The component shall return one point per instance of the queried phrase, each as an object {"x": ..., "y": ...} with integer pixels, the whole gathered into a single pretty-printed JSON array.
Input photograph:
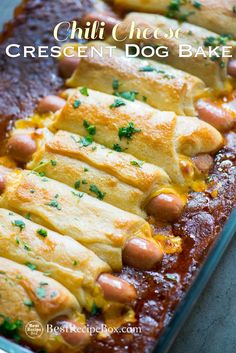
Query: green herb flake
[
  {"x": 86, "y": 141},
  {"x": 27, "y": 247},
  {"x": 78, "y": 194},
  {"x": 77, "y": 184},
  {"x": 129, "y": 95},
  {"x": 31, "y": 266},
  {"x": 173, "y": 277},
  {"x": 41, "y": 293},
  {"x": 116, "y": 147},
  {"x": 32, "y": 191},
  {"x": 28, "y": 216},
  {"x": 75, "y": 263},
  {"x": 86, "y": 170},
  {"x": 84, "y": 91},
  {"x": 197, "y": 4},
  {"x": 95, "y": 310},
  {"x": 53, "y": 294},
  {"x": 100, "y": 195},
  {"x": 42, "y": 232},
  {"x": 115, "y": 84},
  {"x": 19, "y": 223},
  {"x": 53, "y": 162},
  {"x": 10, "y": 328},
  {"x": 128, "y": 131},
  {"x": 147, "y": 68},
  {"x": 29, "y": 303},
  {"x": 42, "y": 174},
  {"x": 137, "y": 163},
  {"x": 76, "y": 104},
  {"x": 54, "y": 203},
  {"x": 91, "y": 129},
  {"x": 84, "y": 182},
  {"x": 144, "y": 98},
  {"x": 117, "y": 103}
]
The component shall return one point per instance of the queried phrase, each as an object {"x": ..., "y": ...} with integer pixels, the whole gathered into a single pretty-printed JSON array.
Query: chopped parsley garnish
[
  {"x": 174, "y": 10},
  {"x": 28, "y": 216},
  {"x": 144, "y": 98},
  {"x": 84, "y": 181},
  {"x": 75, "y": 263},
  {"x": 41, "y": 293},
  {"x": 90, "y": 128},
  {"x": 32, "y": 191},
  {"x": 19, "y": 223},
  {"x": 95, "y": 310},
  {"x": 137, "y": 163},
  {"x": 115, "y": 84},
  {"x": 147, "y": 68},
  {"x": 53, "y": 163},
  {"x": 84, "y": 91},
  {"x": 127, "y": 131},
  {"x": 197, "y": 4},
  {"x": 78, "y": 194},
  {"x": 117, "y": 147},
  {"x": 76, "y": 104},
  {"x": 28, "y": 303},
  {"x": 129, "y": 95},
  {"x": 213, "y": 41},
  {"x": 10, "y": 328},
  {"x": 86, "y": 141},
  {"x": 31, "y": 266},
  {"x": 100, "y": 195},
  {"x": 27, "y": 247},
  {"x": 172, "y": 276},
  {"x": 42, "y": 174},
  {"x": 86, "y": 170},
  {"x": 54, "y": 203},
  {"x": 42, "y": 232},
  {"x": 77, "y": 184},
  {"x": 117, "y": 103}
]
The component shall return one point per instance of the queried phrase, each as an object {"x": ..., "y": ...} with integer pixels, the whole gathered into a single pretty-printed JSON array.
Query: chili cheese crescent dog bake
[
  {"x": 160, "y": 85},
  {"x": 148, "y": 134},
  {"x": 29, "y": 296},
  {"x": 211, "y": 69},
  {"x": 217, "y": 16}
]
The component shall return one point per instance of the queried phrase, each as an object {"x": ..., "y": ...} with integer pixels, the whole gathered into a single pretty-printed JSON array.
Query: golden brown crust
[
  {"x": 66, "y": 261},
  {"x": 212, "y": 72},
  {"x": 217, "y": 16},
  {"x": 161, "y": 135},
  {"x": 69, "y": 212},
  {"x": 28, "y": 295},
  {"x": 164, "y": 88}
]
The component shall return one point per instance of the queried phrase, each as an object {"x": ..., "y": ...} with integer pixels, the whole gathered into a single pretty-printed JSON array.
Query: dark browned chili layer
[{"x": 23, "y": 82}]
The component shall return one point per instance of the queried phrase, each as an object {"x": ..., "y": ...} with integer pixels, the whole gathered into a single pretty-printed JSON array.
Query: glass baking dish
[{"x": 186, "y": 305}]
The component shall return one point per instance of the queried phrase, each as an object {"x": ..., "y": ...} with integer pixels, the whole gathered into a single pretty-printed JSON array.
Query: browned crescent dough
[
  {"x": 28, "y": 295},
  {"x": 164, "y": 87},
  {"x": 216, "y": 15},
  {"x": 97, "y": 225},
  {"x": 67, "y": 261},
  {"x": 212, "y": 72},
  {"x": 163, "y": 136}
]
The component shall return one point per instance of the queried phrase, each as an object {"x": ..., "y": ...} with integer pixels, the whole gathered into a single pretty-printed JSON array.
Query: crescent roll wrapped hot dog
[
  {"x": 64, "y": 259},
  {"x": 102, "y": 228},
  {"x": 160, "y": 85},
  {"x": 211, "y": 69},
  {"x": 27, "y": 296},
  {"x": 121, "y": 179},
  {"x": 152, "y": 136},
  {"x": 216, "y": 15}
]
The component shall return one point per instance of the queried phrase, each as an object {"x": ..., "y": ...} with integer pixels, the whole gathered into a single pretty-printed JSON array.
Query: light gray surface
[{"x": 211, "y": 326}]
